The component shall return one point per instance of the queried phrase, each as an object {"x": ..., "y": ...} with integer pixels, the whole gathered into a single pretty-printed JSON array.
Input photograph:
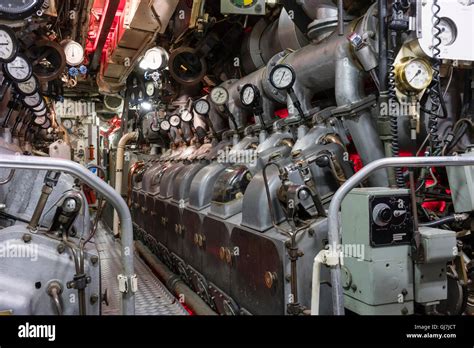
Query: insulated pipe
[
  {"x": 173, "y": 282},
  {"x": 35, "y": 163},
  {"x": 334, "y": 235},
  {"x": 119, "y": 170}
]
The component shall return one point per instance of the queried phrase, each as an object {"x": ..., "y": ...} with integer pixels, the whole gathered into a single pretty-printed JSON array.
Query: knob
[{"x": 382, "y": 214}]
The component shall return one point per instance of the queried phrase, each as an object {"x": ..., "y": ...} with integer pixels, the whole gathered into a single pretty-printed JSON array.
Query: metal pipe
[
  {"x": 45, "y": 193},
  {"x": 382, "y": 40},
  {"x": 35, "y": 163},
  {"x": 173, "y": 282},
  {"x": 334, "y": 235},
  {"x": 340, "y": 17},
  {"x": 119, "y": 171}
]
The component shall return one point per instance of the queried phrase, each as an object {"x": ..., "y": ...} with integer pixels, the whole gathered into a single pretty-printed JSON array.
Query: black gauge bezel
[
  {"x": 37, "y": 108},
  {"x": 47, "y": 122},
  {"x": 256, "y": 92},
  {"x": 37, "y": 124},
  {"x": 14, "y": 42},
  {"x": 43, "y": 111},
  {"x": 293, "y": 76},
  {"x": 34, "y": 106},
  {"x": 10, "y": 76},
  {"x": 33, "y": 76},
  {"x": 182, "y": 113},
  {"x": 226, "y": 93},
  {"x": 24, "y": 14},
  {"x": 178, "y": 117},
  {"x": 201, "y": 101}
]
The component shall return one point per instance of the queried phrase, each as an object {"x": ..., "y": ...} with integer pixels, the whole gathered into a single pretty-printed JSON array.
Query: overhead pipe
[
  {"x": 334, "y": 233},
  {"x": 133, "y": 136},
  {"x": 35, "y": 163}
]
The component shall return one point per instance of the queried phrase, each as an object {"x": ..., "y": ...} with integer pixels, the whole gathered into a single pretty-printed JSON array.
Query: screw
[
  {"x": 354, "y": 287},
  {"x": 26, "y": 238},
  {"x": 61, "y": 248},
  {"x": 404, "y": 311},
  {"x": 404, "y": 292},
  {"x": 94, "y": 259},
  {"x": 94, "y": 298}
]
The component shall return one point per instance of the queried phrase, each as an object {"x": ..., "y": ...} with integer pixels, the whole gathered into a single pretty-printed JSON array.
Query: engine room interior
[{"x": 236, "y": 157}]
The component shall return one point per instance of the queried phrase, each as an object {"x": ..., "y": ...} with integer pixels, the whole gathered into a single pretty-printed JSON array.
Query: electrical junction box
[
  {"x": 377, "y": 228},
  {"x": 461, "y": 183},
  {"x": 456, "y": 25},
  {"x": 243, "y": 7}
]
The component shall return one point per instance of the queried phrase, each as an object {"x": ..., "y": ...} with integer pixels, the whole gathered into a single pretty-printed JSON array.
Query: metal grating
[{"x": 152, "y": 297}]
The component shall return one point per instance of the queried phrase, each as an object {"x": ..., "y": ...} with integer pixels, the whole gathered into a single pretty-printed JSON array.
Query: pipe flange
[{"x": 352, "y": 110}]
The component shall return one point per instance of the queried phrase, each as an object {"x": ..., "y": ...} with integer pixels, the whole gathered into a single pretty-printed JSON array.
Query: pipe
[
  {"x": 334, "y": 235},
  {"x": 26, "y": 162},
  {"x": 382, "y": 39},
  {"x": 45, "y": 193},
  {"x": 173, "y": 282},
  {"x": 340, "y": 17},
  {"x": 315, "y": 289},
  {"x": 119, "y": 171},
  {"x": 446, "y": 220},
  {"x": 131, "y": 173}
]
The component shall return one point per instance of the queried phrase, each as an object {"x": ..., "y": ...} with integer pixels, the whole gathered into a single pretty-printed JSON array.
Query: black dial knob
[{"x": 382, "y": 214}]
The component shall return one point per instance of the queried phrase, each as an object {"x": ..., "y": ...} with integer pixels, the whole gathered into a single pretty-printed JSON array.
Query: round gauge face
[
  {"x": 219, "y": 96},
  {"x": 202, "y": 107},
  {"x": 282, "y": 77},
  {"x": 19, "y": 69},
  {"x": 40, "y": 120},
  {"x": 165, "y": 125},
  {"x": 40, "y": 113},
  {"x": 175, "y": 120},
  {"x": 153, "y": 59},
  {"x": 19, "y": 9},
  {"x": 418, "y": 74},
  {"x": 140, "y": 95},
  {"x": 74, "y": 52},
  {"x": 150, "y": 89},
  {"x": 448, "y": 33},
  {"x": 186, "y": 116},
  {"x": 33, "y": 100},
  {"x": 67, "y": 123},
  {"x": 248, "y": 95},
  {"x": 29, "y": 87},
  {"x": 133, "y": 97},
  {"x": 8, "y": 44},
  {"x": 244, "y": 3},
  {"x": 155, "y": 122}
]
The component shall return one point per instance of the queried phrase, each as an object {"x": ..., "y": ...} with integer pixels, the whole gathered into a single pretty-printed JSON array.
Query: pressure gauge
[
  {"x": 154, "y": 59},
  {"x": 414, "y": 75},
  {"x": 155, "y": 125},
  {"x": 19, "y": 69},
  {"x": 47, "y": 123},
  {"x": 68, "y": 124},
  {"x": 39, "y": 121},
  {"x": 219, "y": 96},
  {"x": 8, "y": 44},
  {"x": 33, "y": 101},
  {"x": 202, "y": 107},
  {"x": 175, "y": 121},
  {"x": 29, "y": 87},
  {"x": 449, "y": 31},
  {"x": 165, "y": 125},
  {"x": 282, "y": 76},
  {"x": 140, "y": 95},
  {"x": 249, "y": 95},
  {"x": 186, "y": 116},
  {"x": 74, "y": 52},
  {"x": 40, "y": 107},
  {"x": 133, "y": 98},
  {"x": 19, "y": 9},
  {"x": 150, "y": 89},
  {"x": 40, "y": 113}
]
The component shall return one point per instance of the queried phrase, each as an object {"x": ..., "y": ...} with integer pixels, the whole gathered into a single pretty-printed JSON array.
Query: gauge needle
[
  {"x": 18, "y": 67},
  {"x": 282, "y": 76},
  {"x": 417, "y": 73}
]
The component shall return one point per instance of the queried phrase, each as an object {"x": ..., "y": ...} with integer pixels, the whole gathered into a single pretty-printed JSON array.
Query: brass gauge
[{"x": 413, "y": 75}]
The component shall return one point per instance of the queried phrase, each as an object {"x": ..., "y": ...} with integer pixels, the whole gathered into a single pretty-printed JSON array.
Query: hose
[{"x": 446, "y": 220}]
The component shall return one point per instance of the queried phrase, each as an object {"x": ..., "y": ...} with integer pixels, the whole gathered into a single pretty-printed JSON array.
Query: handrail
[
  {"x": 37, "y": 163},
  {"x": 334, "y": 235}
]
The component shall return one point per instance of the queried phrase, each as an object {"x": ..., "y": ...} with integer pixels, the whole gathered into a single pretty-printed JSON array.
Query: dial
[
  {"x": 449, "y": 31},
  {"x": 414, "y": 75},
  {"x": 29, "y": 87},
  {"x": 40, "y": 113},
  {"x": 244, "y": 3},
  {"x": 150, "y": 89},
  {"x": 175, "y": 120},
  {"x": 155, "y": 125},
  {"x": 249, "y": 95},
  {"x": 219, "y": 96},
  {"x": 67, "y": 123},
  {"x": 153, "y": 59},
  {"x": 186, "y": 116},
  {"x": 40, "y": 120},
  {"x": 19, "y": 69},
  {"x": 74, "y": 52},
  {"x": 47, "y": 124},
  {"x": 33, "y": 100},
  {"x": 282, "y": 77},
  {"x": 40, "y": 107},
  {"x": 202, "y": 107},
  {"x": 165, "y": 125},
  {"x": 8, "y": 44},
  {"x": 19, "y": 9}
]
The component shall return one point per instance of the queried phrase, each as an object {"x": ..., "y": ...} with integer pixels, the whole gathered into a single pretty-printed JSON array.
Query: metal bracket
[
  {"x": 353, "y": 110},
  {"x": 127, "y": 285}
]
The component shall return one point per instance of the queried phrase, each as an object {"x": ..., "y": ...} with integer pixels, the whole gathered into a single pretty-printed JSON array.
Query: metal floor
[{"x": 152, "y": 297}]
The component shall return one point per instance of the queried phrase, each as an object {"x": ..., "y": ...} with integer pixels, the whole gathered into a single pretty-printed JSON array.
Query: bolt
[
  {"x": 311, "y": 232},
  {"x": 61, "y": 248},
  {"x": 354, "y": 287},
  {"x": 404, "y": 311},
  {"x": 26, "y": 238},
  {"x": 288, "y": 278},
  {"x": 404, "y": 292},
  {"x": 94, "y": 298},
  {"x": 94, "y": 259}
]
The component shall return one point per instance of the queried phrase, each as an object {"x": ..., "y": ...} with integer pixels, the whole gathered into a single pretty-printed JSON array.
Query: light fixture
[
  {"x": 155, "y": 58},
  {"x": 146, "y": 105}
]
